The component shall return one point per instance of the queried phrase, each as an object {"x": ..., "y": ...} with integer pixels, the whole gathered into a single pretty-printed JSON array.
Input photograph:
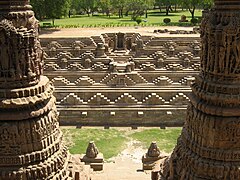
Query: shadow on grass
[
  {"x": 163, "y": 15},
  {"x": 126, "y": 20}
]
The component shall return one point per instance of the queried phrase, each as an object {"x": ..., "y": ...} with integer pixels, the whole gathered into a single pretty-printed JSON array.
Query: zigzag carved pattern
[
  {"x": 112, "y": 79},
  {"x": 125, "y": 99},
  {"x": 99, "y": 99},
  {"x": 71, "y": 99},
  {"x": 82, "y": 81}
]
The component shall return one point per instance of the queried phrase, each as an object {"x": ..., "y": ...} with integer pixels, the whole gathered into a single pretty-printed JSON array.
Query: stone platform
[{"x": 148, "y": 83}]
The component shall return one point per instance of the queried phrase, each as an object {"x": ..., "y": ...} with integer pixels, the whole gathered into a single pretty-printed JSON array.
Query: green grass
[
  {"x": 155, "y": 18},
  {"x": 166, "y": 139},
  {"x": 111, "y": 142}
]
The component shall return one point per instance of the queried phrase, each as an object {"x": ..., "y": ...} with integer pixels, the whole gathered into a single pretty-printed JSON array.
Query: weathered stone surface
[
  {"x": 150, "y": 159},
  {"x": 30, "y": 139},
  {"x": 208, "y": 147},
  {"x": 151, "y": 73},
  {"x": 93, "y": 157}
]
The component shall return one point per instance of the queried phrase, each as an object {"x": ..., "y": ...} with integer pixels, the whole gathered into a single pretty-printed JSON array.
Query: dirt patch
[{"x": 87, "y": 32}]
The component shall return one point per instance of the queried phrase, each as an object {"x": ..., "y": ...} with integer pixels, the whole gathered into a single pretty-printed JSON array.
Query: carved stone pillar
[
  {"x": 30, "y": 139},
  {"x": 209, "y": 146}
]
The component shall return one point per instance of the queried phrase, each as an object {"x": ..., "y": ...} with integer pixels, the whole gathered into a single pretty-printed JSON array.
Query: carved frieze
[{"x": 208, "y": 147}]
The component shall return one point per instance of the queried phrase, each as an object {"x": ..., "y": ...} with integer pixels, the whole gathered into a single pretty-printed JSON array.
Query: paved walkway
[
  {"x": 126, "y": 166},
  {"x": 87, "y": 32}
]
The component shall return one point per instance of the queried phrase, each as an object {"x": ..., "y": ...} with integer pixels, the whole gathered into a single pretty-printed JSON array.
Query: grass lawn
[
  {"x": 111, "y": 142},
  {"x": 166, "y": 139},
  {"x": 154, "y": 18}
]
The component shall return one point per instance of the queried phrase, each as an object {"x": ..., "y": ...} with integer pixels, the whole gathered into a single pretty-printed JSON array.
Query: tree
[
  {"x": 192, "y": 5},
  {"x": 106, "y": 6},
  {"x": 38, "y": 8},
  {"x": 119, "y": 5},
  {"x": 56, "y": 8},
  {"x": 207, "y": 4},
  {"x": 51, "y": 9},
  {"x": 88, "y": 6},
  {"x": 75, "y": 5},
  {"x": 137, "y": 7},
  {"x": 148, "y": 4},
  {"x": 167, "y": 3}
]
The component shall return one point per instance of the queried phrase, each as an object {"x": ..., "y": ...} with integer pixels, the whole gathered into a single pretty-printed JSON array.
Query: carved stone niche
[
  {"x": 171, "y": 45},
  {"x": 77, "y": 46},
  {"x": 63, "y": 59},
  {"x": 20, "y": 56},
  {"x": 160, "y": 58},
  {"x": 100, "y": 51},
  {"x": 120, "y": 41}
]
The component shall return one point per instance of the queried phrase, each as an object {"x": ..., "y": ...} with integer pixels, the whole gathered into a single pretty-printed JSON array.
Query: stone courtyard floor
[
  {"x": 87, "y": 32},
  {"x": 126, "y": 166}
]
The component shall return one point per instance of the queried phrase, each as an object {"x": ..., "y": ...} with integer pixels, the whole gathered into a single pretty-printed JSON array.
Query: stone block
[
  {"x": 84, "y": 114},
  {"x": 95, "y": 163},
  {"x": 140, "y": 114}
]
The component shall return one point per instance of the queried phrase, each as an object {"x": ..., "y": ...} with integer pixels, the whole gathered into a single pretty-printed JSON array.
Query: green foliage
[
  {"x": 138, "y": 20},
  {"x": 166, "y": 139},
  {"x": 166, "y": 20},
  {"x": 110, "y": 142},
  {"x": 39, "y": 8},
  {"x": 194, "y": 21},
  {"x": 155, "y": 18},
  {"x": 207, "y": 4},
  {"x": 51, "y": 9},
  {"x": 191, "y": 5},
  {"x": 88, "y": 6}
]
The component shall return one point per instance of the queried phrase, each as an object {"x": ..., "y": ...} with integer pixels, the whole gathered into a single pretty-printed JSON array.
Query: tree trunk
[
  {"x": 167, "y": 10},
  {"x": 108, "y": 12},
  {"x": 88, "y": 13},
  {"x": 146, "y": 13},
  {"x": 119, "y": 13},
  {"x": 192, "y": 12},
  {"x": 53, "y": 21}
]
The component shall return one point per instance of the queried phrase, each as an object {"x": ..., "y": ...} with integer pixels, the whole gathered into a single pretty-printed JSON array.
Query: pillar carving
[
  {"x": 30, "y": 139},
  {"x": 208, "y": 147}
]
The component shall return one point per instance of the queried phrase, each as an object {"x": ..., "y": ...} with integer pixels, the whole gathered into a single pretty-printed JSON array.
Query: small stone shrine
[
  {"x": 151, "y": 157},
  {"x": 93, "y": 157},
  {"x": 208, "y": 147},
  {"x": 30, "y": 139}
]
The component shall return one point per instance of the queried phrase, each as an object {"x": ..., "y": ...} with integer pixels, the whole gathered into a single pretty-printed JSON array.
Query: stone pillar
[
  {"x": 30, "y": 139},
  {"x": 208, "y": 147},
  {"x": 100, "y": 51}
]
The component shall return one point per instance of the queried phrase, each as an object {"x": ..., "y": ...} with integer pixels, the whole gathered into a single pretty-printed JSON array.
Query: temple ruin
[
  {"x": 30, "y": 139},
  {"x": 122, "y": 79},
  {"x": 208, "y": 147}
]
